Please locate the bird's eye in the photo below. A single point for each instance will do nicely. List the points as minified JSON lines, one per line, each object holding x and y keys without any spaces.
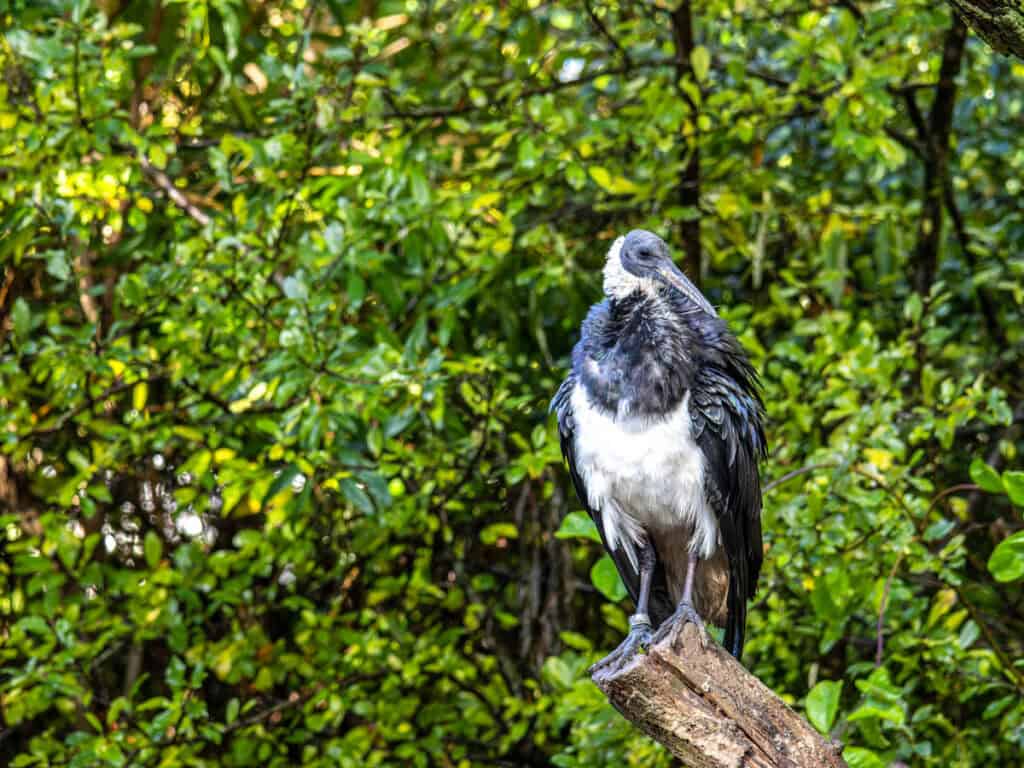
{"x":644,"y":254}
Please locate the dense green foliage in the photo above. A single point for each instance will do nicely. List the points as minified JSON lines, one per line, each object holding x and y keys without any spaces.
{"x":286,"y":288}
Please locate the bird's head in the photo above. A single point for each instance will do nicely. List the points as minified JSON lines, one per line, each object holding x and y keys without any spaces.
{"x":641,"y":261}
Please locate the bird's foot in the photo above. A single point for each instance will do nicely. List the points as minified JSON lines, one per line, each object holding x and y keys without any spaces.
{"x":638,"y":639}
{"x":672,"y":627}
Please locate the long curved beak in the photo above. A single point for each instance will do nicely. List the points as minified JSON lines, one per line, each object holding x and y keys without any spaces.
{"x":673,"y":275}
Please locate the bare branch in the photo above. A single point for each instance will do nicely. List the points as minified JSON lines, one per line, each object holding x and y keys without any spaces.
{"x":607,"y":35}
{"x":177,"y":197}
{"x":795,"y":473}
{"x":688,"y":186}
{"x":879,"y":630}
{"x":468,"y":107}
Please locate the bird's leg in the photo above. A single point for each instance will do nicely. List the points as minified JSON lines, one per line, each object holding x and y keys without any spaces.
{"x":639,"y":637}
{"x":685,"y":612}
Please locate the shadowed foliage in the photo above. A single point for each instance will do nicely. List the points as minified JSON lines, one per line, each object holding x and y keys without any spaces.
{"x":287,"y":286}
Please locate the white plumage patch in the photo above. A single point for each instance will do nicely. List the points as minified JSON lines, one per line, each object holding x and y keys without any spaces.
{"x":618,"y":283}
{"x":643,"y":473}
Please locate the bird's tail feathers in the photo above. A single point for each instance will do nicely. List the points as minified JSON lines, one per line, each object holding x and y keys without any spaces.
{"x":736,"y":620}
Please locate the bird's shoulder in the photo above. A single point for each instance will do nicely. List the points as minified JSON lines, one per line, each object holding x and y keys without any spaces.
{"x":561,"y":403}
{"x":593,"y":330}
{"x":723,"y":407}
{"x":726,"y":398}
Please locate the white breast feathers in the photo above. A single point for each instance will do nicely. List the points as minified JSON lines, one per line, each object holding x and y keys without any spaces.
{"x":643,"y":474}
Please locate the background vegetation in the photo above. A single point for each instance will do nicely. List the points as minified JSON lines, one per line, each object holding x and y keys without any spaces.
{"x":286,"y":287}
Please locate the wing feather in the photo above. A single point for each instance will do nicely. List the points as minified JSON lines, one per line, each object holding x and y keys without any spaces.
{"x":727,"y":415}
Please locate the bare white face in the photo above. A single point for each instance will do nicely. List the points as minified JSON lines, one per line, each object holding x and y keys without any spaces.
{"x":618,"y":283}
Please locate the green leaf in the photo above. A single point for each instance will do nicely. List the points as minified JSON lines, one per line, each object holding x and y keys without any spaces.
{"x":968,"y":634}
{"x":1007,"y":560}
{"x":913,"y":307}
{"x":575,"y":175}
{"x":557,"y":673}
{"x":527,"y":154}
{"x":578,"y":525}
{"x":495,"y":531}
{"x":1014,"y":484}
{"x":575,"y":640}
{"x":562,"y":19}
{"x":939,"y":529}
{"x":700,"y":60}
{"x":22,"y":317}
{"x":823,"y":704}
{"x":57,"y":265}
{"x":617,"y":185}
{"x":356,"y":496}
{"x":997,"y":707}
{"x":231,"y":712}
{"x":35,"y":624}
{"x":859,"y":757}
{"x":78,"y":460}
{"x":892,"y":152}
{"x":282,"y":481}
{"x":420,"y":187}
{"x":605,"y":577}
{"x":356,"y":289}
{"x":153,"y":548}
{"x":985,"y":477}
{"x":892,"y":713}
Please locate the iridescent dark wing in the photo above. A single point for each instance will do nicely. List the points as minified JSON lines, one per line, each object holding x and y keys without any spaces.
{"x":726,"y":414}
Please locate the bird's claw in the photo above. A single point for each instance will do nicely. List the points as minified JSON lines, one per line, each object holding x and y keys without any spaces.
{"x":637,"y":641}
{"x":672,"y":628}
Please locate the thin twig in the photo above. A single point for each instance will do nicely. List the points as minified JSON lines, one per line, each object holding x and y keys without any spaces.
{"x":605,"y":33}
{"x":176,"y":196}
{"x":75,"y":82}
{"x":469,"y":107}
{"x":1011,"y":671}
{"x":949,"y":491}
{"x":914,"y":112}
{"x":911,"y":144}
{"x":879,"y":634}
{"x":90,"y":402}
{"x":795,"y":473}
{"x":985,"y":301}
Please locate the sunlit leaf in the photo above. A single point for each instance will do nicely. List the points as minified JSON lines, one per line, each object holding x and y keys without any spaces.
{"x":1007,"y":560}
{"x":986,"y":477}
{"x":606,"y":578}
{"x":823,"y":704}
{"x":578,"y":525}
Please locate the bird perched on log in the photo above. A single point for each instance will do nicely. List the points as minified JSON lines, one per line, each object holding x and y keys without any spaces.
{"x":660,"y":424}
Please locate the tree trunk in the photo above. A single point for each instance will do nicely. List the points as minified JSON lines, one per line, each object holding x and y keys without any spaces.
{"x":935,"y":135}
{"x":708,"y":711}
{"x":1000,"y":23}
{"x":689,"y":181}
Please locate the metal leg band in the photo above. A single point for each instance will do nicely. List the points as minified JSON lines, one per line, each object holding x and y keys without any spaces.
{"x":639,"y":620}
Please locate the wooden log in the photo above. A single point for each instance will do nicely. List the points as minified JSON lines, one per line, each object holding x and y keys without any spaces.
{"x":710,"y":712}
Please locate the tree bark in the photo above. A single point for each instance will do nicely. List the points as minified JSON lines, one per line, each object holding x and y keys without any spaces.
{"x":935,"y":136}
{"x":1000,"y":23}
{"x":689,"y":181}
{"x":708,"y":711}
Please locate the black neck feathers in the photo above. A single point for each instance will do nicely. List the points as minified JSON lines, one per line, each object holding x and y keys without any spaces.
{"x":639,"y":353}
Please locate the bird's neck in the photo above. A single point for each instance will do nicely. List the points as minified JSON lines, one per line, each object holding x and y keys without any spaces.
{"x":647,"y":316}
{"x":640,"y":361}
